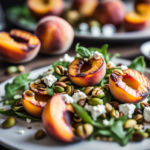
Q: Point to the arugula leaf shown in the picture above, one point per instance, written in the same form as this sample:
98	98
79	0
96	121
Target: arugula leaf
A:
19	108
115	56
82	113
138	105
107	97
7	112
50	91
104	52
24	115
138	64
84	52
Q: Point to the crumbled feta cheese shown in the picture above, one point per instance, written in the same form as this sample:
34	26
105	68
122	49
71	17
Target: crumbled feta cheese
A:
21	131
147	114
96	111
127	109
79	56
67	58
77	96
49	80
17	96
96	55
105	122
37	81
28	120
123	67
68	99
49	71
112	64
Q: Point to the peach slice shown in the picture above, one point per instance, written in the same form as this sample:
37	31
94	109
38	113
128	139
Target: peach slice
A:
55	119
110	12
137	2
18	46
132	87
34	103
89	73
41	8
39	88
85	7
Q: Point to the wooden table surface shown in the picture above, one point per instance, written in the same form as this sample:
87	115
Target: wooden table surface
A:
127	50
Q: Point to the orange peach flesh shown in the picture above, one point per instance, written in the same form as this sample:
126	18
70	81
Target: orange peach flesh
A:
41	8
34	105
89	73
12	50
143	9
132	87
54	120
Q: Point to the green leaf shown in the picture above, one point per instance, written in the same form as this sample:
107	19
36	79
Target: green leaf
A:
104	52
138	64
21	79
24	115
138	105
84	52
82	113
7	112
50	91
107	97
115	56
19	108
8	102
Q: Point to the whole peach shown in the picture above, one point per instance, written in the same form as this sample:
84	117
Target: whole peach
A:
56	35
85	7
110	12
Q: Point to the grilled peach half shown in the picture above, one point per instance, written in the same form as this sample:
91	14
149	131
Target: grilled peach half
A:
132	87
18	46
56	119
89	73
41	8
34	103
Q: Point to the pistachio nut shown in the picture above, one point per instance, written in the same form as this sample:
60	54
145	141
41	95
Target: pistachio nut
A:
84	130
58	89
12	69
108	108
21	68
138	136
114	113
115	104
62	84
89	97
143	105
88	90
40	134
41	86
106	86
98	92
60	70
64	79
82	102
69	90
138	127
148	101
130	123
76	124
104	116
77	119
138	118
120	114
29	93
95	101
118	72
8	123
148	131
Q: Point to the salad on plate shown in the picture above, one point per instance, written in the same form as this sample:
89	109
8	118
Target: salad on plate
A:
83	97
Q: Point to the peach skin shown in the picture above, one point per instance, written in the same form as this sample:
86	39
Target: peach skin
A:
41	8
34	103
55	118
89	73
132	87
18	46
56	35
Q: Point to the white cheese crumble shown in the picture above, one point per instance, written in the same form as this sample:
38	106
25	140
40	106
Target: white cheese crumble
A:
105	122
127	109
86	59
79	56
67	58
112	64
49	71
96	111
68	99
21	131
147	114
96	55
123	67
17	96
78	96
49	80
28	120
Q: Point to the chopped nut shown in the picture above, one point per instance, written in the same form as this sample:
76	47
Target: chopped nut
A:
106	86
21	68
138	127
118	72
